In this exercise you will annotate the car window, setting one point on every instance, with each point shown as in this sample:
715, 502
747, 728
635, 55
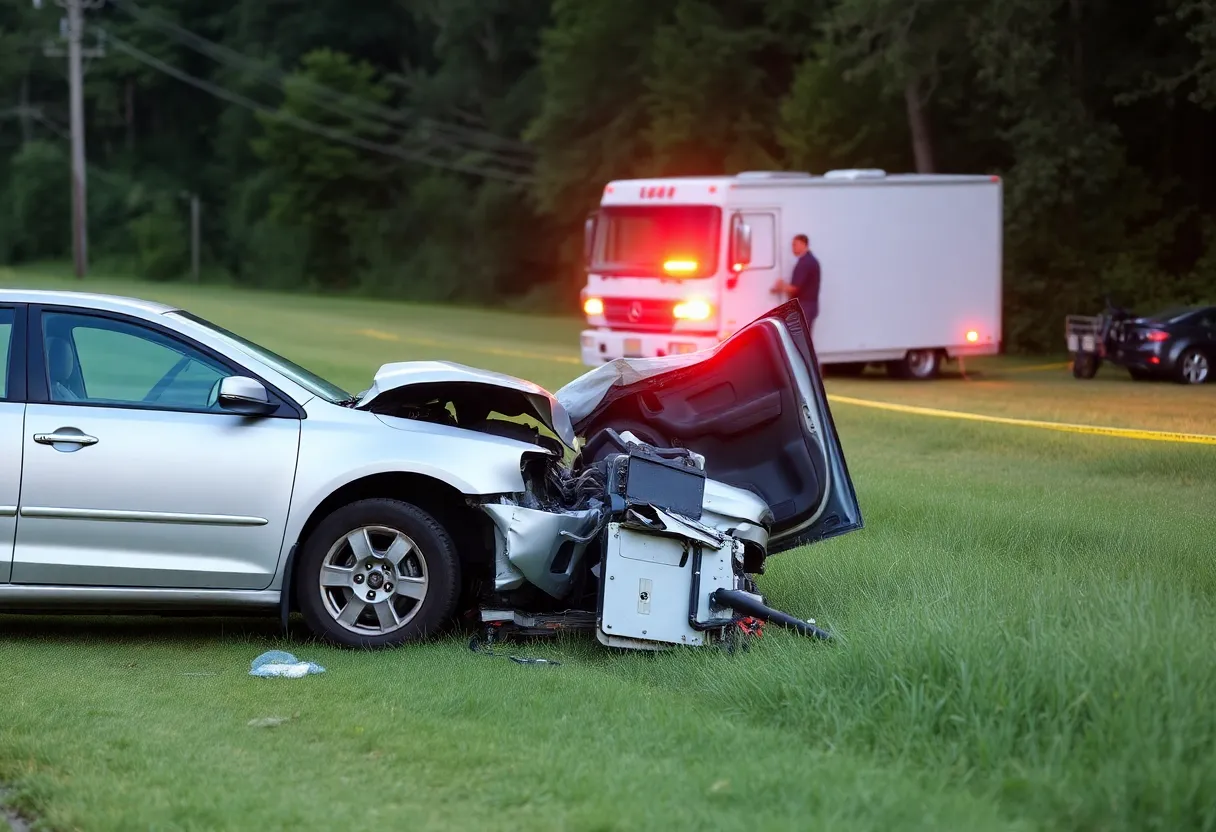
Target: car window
6, 338
98, 360
308, 380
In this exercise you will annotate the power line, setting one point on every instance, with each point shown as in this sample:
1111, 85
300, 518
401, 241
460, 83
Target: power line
101, 173
327, 97
46, 122
311, 126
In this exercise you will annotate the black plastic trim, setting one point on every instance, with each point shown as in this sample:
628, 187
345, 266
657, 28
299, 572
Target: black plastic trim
15, 390
285, 593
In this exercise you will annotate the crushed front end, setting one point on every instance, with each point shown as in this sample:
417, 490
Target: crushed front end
639, 546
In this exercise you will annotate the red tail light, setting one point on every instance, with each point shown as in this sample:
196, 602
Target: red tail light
1156, 335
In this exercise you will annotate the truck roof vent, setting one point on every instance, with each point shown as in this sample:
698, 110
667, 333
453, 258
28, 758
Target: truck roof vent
772, 174
856, 173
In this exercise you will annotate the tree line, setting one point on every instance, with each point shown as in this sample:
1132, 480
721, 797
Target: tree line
448, 150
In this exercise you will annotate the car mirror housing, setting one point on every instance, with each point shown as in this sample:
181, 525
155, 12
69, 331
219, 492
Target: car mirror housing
246, 396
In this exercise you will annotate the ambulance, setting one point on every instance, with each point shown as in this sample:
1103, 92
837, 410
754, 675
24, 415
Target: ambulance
911, 265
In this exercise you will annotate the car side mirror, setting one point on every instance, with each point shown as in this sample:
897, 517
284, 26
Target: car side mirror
589, 239
740, 244
245, 396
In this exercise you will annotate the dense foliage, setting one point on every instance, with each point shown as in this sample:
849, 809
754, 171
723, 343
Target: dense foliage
449, 149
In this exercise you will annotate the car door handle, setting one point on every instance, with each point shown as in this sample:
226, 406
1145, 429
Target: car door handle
66, 437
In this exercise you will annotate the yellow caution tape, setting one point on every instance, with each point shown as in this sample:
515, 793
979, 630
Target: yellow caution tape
1123, 433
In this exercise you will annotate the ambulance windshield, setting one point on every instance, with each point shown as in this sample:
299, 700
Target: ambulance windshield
668, 241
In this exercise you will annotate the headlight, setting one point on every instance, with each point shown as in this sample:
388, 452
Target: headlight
694, 309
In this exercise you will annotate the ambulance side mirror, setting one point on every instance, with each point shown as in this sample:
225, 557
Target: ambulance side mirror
588, 239
740, 249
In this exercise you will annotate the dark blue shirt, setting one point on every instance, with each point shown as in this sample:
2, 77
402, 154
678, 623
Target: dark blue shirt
806, 281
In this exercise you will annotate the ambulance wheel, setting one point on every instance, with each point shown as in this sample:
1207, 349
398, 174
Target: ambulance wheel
918, 365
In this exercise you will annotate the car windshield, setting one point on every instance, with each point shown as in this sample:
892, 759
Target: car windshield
311, 382
673, 241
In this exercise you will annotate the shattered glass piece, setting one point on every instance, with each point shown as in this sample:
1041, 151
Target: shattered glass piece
276, 663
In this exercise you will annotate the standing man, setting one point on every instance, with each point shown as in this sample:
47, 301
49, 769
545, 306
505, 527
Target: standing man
804, 284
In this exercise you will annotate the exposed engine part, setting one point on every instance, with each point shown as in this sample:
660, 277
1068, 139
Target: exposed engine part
517, 431
750, 604
540, 547
473, 395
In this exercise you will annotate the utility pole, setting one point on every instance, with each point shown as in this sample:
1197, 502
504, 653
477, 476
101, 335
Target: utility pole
74, 31
27, 129
80, 225
195, 231
194, 235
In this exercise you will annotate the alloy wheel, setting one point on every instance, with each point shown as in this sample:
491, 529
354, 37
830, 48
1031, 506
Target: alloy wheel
1195, 368
373, 580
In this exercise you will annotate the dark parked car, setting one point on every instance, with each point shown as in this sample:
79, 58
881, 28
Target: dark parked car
1179, 343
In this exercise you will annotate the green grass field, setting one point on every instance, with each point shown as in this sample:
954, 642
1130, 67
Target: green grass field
1027, 627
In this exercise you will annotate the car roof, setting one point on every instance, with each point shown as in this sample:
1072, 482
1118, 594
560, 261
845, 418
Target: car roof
90, 300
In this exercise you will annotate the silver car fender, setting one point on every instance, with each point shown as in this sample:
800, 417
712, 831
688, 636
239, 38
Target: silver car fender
333, 454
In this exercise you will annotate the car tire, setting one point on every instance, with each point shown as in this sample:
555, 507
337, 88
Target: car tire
1085, 365
393, 560
917, 365
1193, 367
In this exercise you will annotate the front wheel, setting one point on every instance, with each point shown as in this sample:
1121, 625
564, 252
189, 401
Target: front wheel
377, 573
1194, 367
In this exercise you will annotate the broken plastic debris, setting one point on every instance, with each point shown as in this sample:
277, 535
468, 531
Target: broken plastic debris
277, 663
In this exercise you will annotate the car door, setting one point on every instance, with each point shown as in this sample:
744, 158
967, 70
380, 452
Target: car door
133, 477
12, 417
749, 294
754, 407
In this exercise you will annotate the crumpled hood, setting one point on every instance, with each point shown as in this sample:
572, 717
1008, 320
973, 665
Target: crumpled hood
394, 383
582, 396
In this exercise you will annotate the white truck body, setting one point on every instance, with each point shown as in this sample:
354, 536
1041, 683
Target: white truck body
911, 264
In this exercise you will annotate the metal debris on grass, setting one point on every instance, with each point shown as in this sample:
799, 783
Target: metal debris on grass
268, 721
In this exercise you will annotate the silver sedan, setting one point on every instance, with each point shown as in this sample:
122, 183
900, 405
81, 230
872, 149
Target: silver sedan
150, 461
